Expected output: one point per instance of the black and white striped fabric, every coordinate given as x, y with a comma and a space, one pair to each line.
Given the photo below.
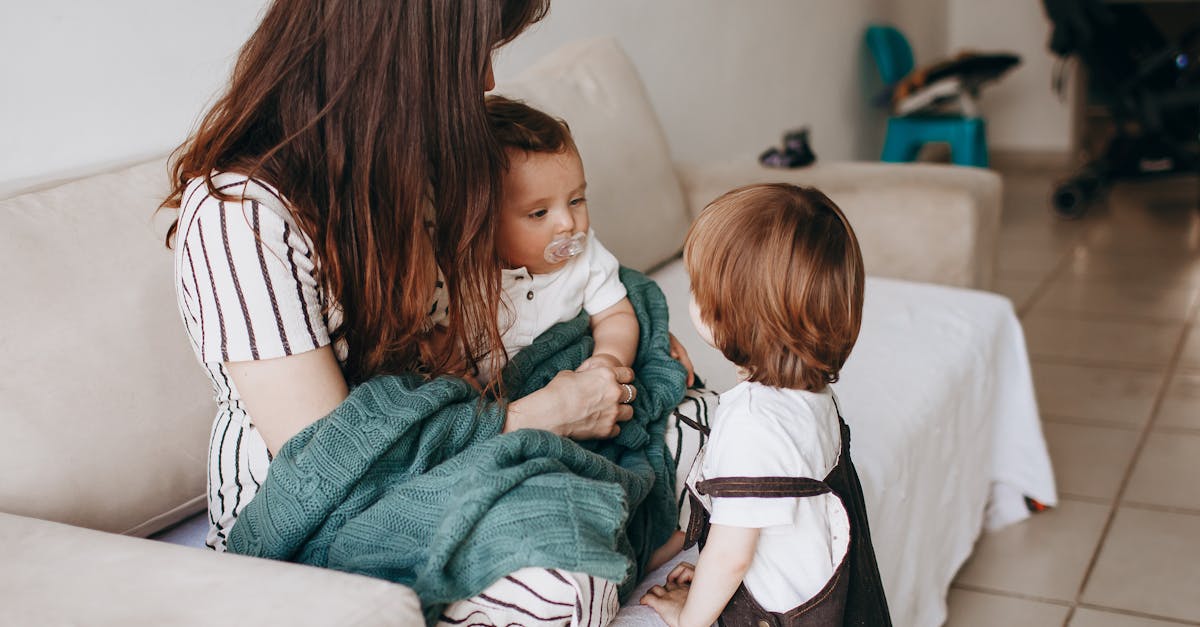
538, 597
248, 288
685, 440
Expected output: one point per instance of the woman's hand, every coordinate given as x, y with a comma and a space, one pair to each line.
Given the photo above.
578, 405
599, 360
680, 354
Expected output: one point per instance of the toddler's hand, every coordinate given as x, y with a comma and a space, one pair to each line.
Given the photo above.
667, 601
599, 360
682, 574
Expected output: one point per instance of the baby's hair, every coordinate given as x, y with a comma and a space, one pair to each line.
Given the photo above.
519, 126
778, 277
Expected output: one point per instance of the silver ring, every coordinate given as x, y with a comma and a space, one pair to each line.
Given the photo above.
628, 394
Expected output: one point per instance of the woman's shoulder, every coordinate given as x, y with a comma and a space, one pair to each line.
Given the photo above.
246, 276
237, 203
231, 187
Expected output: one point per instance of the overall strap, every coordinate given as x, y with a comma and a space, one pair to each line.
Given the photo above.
762, 487
841, 421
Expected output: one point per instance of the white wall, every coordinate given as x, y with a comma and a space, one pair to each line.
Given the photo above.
727, 78
88, 85
1022, 111
93, 84
924, 24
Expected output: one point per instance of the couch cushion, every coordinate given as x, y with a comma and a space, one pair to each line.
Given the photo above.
104, 410
54, 574
636, 204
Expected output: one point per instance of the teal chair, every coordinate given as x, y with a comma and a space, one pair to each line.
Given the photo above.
907, 133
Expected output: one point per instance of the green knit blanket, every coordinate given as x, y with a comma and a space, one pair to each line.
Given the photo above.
411, 480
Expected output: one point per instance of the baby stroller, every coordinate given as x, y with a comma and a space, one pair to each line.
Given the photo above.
1150, 85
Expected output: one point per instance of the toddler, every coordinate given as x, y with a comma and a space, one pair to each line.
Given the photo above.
554, 265
777, 287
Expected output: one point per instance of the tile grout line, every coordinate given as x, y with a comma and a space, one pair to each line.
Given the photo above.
1064, 313
1123, 612
1060, 360
1042, 287
1067, 604
1068, 360
1099, 423
1012, 595
1159, 398
1166, 509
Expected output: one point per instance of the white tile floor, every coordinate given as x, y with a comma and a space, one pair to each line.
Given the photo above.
1111, 308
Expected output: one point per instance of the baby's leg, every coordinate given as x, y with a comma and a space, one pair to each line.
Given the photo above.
538, 597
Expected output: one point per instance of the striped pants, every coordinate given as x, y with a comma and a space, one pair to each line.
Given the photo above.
538, 597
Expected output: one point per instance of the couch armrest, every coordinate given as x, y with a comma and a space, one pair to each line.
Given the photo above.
921, 222
55, 574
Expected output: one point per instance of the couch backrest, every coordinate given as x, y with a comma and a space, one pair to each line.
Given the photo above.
103, 408
636, 204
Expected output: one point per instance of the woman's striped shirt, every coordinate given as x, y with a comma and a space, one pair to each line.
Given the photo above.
248, 288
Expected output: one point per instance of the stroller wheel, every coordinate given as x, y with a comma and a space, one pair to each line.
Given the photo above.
1072, 198
1069, 201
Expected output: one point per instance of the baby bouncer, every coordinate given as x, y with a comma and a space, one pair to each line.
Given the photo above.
933, 103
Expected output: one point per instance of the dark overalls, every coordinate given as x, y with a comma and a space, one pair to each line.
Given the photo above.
852, 596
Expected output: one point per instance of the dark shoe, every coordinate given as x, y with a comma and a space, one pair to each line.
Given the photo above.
773, 158
796, 152
796, 142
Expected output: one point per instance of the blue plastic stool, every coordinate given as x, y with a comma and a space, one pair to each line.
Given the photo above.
905, 135
967, 138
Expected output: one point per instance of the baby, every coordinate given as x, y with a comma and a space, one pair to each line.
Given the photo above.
553, 264
777, 287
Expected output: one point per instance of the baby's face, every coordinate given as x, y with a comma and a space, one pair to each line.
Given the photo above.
543, 201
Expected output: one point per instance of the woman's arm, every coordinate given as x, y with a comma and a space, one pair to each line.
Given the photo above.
723, 563
287, 394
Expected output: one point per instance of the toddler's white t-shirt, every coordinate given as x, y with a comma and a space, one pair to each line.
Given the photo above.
762, 431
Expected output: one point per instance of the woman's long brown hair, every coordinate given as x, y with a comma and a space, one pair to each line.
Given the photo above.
363, 114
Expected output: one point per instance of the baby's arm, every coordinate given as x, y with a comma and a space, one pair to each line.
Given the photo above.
616, 333
723, 563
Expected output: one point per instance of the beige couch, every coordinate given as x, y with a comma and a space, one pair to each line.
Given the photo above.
105, 414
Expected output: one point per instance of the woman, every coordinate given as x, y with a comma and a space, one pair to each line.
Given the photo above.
335, 224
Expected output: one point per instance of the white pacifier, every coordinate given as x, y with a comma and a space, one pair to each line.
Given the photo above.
564, 248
